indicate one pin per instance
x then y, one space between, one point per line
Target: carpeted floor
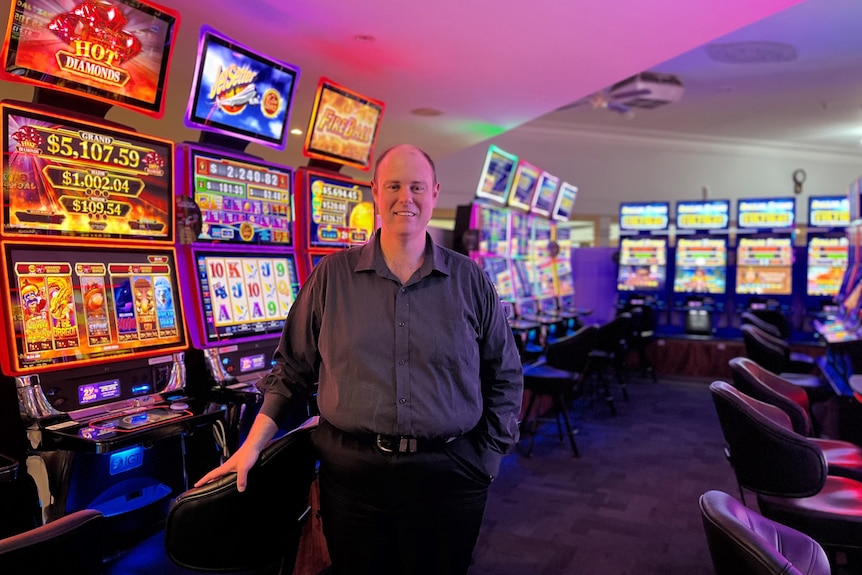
627 506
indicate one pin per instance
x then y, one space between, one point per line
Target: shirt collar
371 257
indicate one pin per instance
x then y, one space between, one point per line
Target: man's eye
417 189
391 188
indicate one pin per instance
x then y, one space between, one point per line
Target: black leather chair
743 542
844 458
70 544
777 321
643 333
609 355
561 369
774 354
788 473
215 528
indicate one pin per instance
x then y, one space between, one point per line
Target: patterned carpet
627 506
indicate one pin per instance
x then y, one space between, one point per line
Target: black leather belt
406 444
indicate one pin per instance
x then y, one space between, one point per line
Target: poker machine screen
498 172
565 202
240 92
242 200
343 126
64 177
524 186
546 194
764 265
240 296
492 222
69 305
499 271
541 236
700 265
520 234
827 262
642 264
114 51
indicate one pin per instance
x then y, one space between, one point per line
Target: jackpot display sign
565 203
546 194
775 213
524 185
702 216
828 212
73 304
241 200
115 51
497 174
70 178
644 217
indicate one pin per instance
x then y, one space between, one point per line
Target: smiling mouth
410 214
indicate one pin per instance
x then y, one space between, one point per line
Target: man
419 390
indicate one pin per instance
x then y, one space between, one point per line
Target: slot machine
765 255
238 243
564 283
483 227
826 254
700 264
643 256
94 326
334 211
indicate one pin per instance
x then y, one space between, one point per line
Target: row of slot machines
710 272
146 282
527 257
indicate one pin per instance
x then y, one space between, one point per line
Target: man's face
405 191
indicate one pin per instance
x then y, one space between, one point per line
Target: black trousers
398 514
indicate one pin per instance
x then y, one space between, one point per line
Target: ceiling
490 66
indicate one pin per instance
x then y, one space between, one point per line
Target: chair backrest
742 541
777 319
613 334
214 527
766 350
767 456
760 383
70 544
571 353
754 319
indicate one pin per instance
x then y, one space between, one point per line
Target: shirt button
400 362
401 324
402 401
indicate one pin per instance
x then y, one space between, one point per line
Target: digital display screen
493 225
68 178
252 362
240 92
764 266
541 272
524 185
115 51
244 296
343 127
827 263
776 213
72 305
642 264
497 175
565 203
540 244
499 272
522 279
241 200
701 266
99 391
341 212
828 211
564 280
644 217
546 194
520 234
706 215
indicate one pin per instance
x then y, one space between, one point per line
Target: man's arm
263 429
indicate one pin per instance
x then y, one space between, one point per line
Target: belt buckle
403 444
